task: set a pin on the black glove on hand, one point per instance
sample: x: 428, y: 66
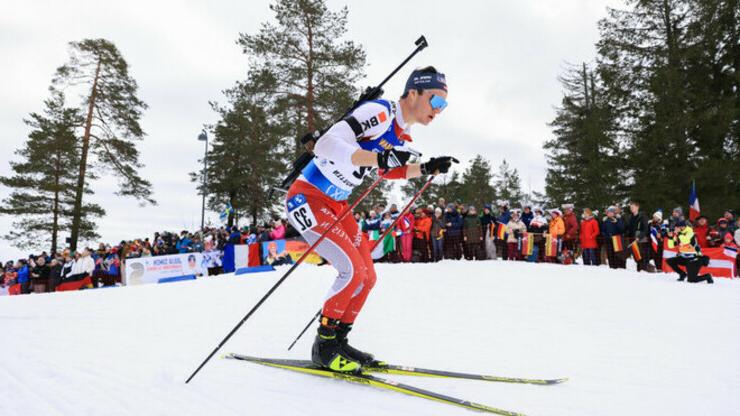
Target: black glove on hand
x: 392, y: 158
x: 437, y: 165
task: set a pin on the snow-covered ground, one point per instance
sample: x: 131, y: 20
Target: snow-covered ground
x: 632, y: 344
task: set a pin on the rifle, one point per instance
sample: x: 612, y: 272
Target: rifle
x: 309, y: 139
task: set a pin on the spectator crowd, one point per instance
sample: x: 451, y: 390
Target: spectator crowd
x: 103, y: 266
x: 558, y: 235
x: 424, y: 234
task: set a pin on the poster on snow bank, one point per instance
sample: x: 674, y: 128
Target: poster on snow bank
x: 150, y: 269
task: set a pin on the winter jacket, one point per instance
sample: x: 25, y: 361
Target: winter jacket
x: 611, y: 227
x: 527, y: 218
x: 701, y: 231
x: 557, y: 227
x: 456, y: 224
x: 639, y: 227
x: 571, y: 227
x: 438, y: 228
x: 422, y: 228
x: 372, y: 224
x: 183, y: 246
x: 486, y: 220
x: 84, y: 264
x: 504, y: 217
x: 589, y: 232
x: 514, y: 229
x: 538, y: 225
x: 23, y: 274
x: 472, y: 228
x: 688, y: 245
x: 278, y: 233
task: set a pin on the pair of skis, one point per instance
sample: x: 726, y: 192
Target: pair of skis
x: 366, y: 378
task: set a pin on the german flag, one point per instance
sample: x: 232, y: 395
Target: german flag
x: 527, y: 244
x: 636, y: 251
x: 617, y: 243
x: 492, y: 231
x: 501, y: 231
x: 551, y: 246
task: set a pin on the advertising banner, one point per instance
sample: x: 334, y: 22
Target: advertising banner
x: 150, y: 269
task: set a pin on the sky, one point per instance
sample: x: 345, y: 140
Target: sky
x: 501, y: 60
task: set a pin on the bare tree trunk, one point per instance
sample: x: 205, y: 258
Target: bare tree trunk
x: 310, y: 120
x: 77, y: 212
x: 55, y: 207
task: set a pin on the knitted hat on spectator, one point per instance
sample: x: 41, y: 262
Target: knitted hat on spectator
x: 722, y: 220
x: 556, y: 211
x: 658, y: 214
x: 438, y: 209
x: 568, y: 206
x: 487, y: 206
x: 679, y: 210
x: 611, y: 208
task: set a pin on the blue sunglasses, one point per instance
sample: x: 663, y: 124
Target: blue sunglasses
x: 438, y: 103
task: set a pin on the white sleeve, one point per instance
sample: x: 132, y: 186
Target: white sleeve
x: 337, y: 144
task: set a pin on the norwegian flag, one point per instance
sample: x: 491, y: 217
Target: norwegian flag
x: 694, y: 210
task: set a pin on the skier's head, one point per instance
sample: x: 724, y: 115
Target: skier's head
x: 425, y: 95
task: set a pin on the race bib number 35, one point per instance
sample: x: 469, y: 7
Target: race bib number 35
x: 300, y: 213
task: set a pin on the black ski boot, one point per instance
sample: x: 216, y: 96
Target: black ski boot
x: 681, y: 277
x: 362, y: 357
x: 327, y: 351
x: 708, y: 277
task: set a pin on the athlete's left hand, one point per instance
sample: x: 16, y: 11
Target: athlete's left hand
x: 437, y: 165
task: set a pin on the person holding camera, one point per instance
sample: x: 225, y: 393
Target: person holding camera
x: 689, y: 254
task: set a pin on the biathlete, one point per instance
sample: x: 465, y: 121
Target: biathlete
x: 372, y: 136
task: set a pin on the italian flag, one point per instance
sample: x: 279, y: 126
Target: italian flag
x: 385, y: 247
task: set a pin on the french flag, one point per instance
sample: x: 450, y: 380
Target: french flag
x: 694, y: 210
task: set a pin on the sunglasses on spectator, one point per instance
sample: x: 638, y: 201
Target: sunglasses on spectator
x: 438, y: 103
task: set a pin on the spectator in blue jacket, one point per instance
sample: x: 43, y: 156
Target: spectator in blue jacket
x: 23, y: 276
x: 453, y: 233
x: 612, y: 226
x: 527, y: 215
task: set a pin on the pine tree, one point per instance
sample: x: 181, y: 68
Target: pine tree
x: 378, y: 196
x: 305, y: 64
x: 44, y: 180
x: 111, y: 128
x: 642, y: 61
x: 450, y: 187
x: 246, y: 159
x: 713, y: 101
x: 428, y: 197
x: 508, y: 185
x: 583, y: 159
x: 476, y: 188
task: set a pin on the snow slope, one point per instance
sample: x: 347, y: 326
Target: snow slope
x: 632, y: 344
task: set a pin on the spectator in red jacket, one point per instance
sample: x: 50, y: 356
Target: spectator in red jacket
x: 701, y: 230
x: 571, y: 228
x: 588, y: 234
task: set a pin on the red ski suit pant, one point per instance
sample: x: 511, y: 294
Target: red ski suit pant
x: 344, y: 246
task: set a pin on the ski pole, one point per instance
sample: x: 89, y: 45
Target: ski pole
x: 285, y: 276
x: 375, y: 245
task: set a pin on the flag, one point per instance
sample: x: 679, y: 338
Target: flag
x: 654, y: 239
x: 527, y: 244
x: 501, y: 231
x: 225, y: 213
x: 721, y: 261
x: 694, y: 210
x: 551, y: 246
x: 492, y: 231
x: 636, y: 251
x: 617, y: 243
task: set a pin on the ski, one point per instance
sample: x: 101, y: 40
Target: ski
x: 382, y: 367
x: 307, y: 367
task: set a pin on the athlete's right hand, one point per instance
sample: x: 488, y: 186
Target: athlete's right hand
x: 392, y: 158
